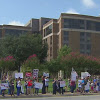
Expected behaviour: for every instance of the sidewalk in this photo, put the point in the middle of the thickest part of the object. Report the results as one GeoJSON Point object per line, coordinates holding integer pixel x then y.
{"type": "Point", "coordinates": [48, 95]}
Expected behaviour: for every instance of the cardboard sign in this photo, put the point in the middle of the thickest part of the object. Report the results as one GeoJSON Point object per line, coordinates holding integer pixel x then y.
{"type": "Point", "coordinates": [4, 86]}
{"type": "Point", "coordinates": [84, 75]}
{"type": "Point", "coordinates": [38, 85]}
{"type": "Point", "coordinates": [62, 84]}
{"type": "Point", "coordinates": [73, 75]}
{"type": "Point", "coordinates": [17, 75]}
{"type": "Point", "coordinates": [35, 73]}
{"type": "Point", "coordinates": [28, 74]}
{"type": "Point", "coordinates": [46, 74]}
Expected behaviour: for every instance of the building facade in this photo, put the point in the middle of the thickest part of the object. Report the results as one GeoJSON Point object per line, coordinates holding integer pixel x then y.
{"type": "Point", "coordinates": [80, 32]}
{"type": "Point", "coordinates": [14, 30]}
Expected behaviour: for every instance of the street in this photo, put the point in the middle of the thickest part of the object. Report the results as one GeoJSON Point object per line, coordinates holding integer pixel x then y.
{"type": "Point", "coordinates": [96, 97]}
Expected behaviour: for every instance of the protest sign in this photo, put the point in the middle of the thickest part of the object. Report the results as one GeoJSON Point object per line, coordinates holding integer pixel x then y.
{"type": "Point", "coordinates": [17, 75]}
{"type": "Point", "coordinates": [38, 85]}
{"type": "Point", "coordinates": [4, 86]}
{"type": "Point", "coordinates": [73, 75]}
{"type": "Point", "coordinates": [84, 75]}
{"type": "Point", "coordinates": [28, 74]}
{"type": "Point", "coordinates": [62, 84]}
{"type": "Point", "coordinates": [45, 74]}
{"type": "Point", "coordinates": [35, 73]}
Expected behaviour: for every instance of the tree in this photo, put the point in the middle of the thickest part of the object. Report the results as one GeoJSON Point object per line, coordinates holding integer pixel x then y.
{"type": "Point", "coordinates": [21, 47]}
{"type": "Point", "coordinates": [53, 67]}
{"type": "Point", "coordinates": [31, 63]}
{"type": "Point", "coordinates": [64, 51]}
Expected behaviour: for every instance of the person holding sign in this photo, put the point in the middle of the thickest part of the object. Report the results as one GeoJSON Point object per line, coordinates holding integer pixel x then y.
{"type": "Point", "coordinates": [3, 90]}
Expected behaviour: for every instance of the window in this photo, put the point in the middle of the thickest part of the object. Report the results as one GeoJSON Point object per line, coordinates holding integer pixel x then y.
{"type": "Point", "coordinates": [48, 30]}
{"type": "Point", "coordinates": [85, 43]}
{"type": "Point", "coordinates": [74, 23]}
{"type": "Point", "coordinates": [65, 38]}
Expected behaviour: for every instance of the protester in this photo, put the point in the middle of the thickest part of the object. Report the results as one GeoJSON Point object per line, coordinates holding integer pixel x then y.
{"type": "Point", "coordinates": [46, 83]}
{"type": "Point", "coordinates": [29, 86]}
{"type": "Point", "coordinates": [36, 87]}
{"type": "Point", "coordinates": [72, 86]}
{"type": "Point", "coordinates": [43, 88]}
{"type": "Point", "coordinates": [61, 91]}
{"type": "Point", "coordinates": [3, 90]}
{"type": "Point", "coordinates": [12, 87]}
{"type": "Point", "coordinates": [25, 84]}
{"type": "Point", "coordinates": [18, 86]}
{"type": "Point", "coordinates": [54, 86]}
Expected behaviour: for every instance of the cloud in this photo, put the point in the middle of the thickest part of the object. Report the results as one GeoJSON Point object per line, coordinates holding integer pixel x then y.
{"type": "Point", "coordinates": [72, 11]}
{"type": "Point", "coordinates": [89, 3]}
{"type": "Point", "coordinates": [16, 23]}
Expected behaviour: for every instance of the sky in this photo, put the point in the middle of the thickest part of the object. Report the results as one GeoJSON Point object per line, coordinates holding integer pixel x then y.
{"type": "Point", "coordinates": [19, 12]}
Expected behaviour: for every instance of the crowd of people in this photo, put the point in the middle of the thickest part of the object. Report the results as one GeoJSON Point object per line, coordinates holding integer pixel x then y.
{"type": "Point", "coordinates": [30, 87]}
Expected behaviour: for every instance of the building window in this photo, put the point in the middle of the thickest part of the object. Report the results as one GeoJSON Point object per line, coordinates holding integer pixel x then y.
{"type": "Point", "coordinates": [85, 43]}
{"type": "Point", "coordinates": [50, 39]}
{"type": "Point", "coordinates": [65, 38]}
{"type": "Point", "coordinates": [74, 23]}
{"type": "Point", "coordinates": [49, 30]}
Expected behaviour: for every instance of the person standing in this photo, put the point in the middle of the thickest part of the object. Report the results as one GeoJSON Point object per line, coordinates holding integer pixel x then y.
{"type": "Point", "coordinates": [18, 86]}
{"type": "Point", "coordinates": [54, 86]}
{"type": "Point", "coordinates": [12, 87]}
{"type": "Point", "coordinates": [72, 86]}
{"type": "Point", "coordinates": [3, 90]}
{"type": "Point", "coordinates": [25, 84]}
{"type": "Point", "coordinates": [46, 83]}
{"type": "Point", "coordinates": [36, 87]}
{"type": "Point", "coordinates": [43, 88]}
{"type": "Point", "coordinates": [29, 86]}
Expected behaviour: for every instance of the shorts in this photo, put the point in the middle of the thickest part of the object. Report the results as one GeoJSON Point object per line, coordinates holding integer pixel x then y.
{"type": "Point", "coordinates": [29, 87]}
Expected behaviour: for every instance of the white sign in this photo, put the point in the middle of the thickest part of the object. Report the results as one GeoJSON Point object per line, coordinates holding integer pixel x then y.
{"type": "Point", "coordinates": [46, 74]}
{"type": "Point", "coordinates": [84, 75]}
{"type": "Point", "coordinates": [4, 86]}
{"type": "Point", "coordinates": [35, 73]}
{"type": "Point", "coordinates": [38, 85]}
{"type": "Point", "coordinates": [62, 84]}
{"type": "Point", "coordinates": [73, 75]}
{"type": "Point", "coordinates": [17, 75]}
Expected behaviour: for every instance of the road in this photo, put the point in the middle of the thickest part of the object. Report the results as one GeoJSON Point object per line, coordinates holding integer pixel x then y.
{"type": "Point", "coordinates": [96, 97]}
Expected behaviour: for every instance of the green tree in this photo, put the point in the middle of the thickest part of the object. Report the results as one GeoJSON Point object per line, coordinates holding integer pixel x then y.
{"type": "Point", "coordinates": [21, 47]}
{"type": "Point", "coordinates": [64, 51]}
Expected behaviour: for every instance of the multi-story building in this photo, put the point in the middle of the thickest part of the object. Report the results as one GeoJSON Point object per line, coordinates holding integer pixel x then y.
{"type": "Point", "coordinates": [14, 30]}
{"type": "Point", "coordinates": [80, 32]}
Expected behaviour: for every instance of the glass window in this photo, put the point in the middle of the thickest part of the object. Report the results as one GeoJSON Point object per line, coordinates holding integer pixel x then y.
{"type": "Point", "coordinates": [74, 23]}
{"type": "Point", "coordinates": [49, 30]}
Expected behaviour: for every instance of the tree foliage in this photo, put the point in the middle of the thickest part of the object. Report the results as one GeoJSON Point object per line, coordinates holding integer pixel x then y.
{"type": "Point", "coordinates": [21, 47]}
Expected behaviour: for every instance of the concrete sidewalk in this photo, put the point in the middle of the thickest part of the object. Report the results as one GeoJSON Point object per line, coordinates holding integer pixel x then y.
{"type": "Point", "coordinates": [48, 95]}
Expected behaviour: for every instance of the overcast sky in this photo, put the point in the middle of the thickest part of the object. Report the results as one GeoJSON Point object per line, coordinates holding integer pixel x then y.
{"type": "Point", "coordinates": [19, 12]}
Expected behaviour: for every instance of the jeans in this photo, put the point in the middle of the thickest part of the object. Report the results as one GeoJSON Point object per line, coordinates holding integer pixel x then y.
{"type": "Point", "coordinates": [18, 91]}
{"type": "Point", "coordinates": [36, 91]}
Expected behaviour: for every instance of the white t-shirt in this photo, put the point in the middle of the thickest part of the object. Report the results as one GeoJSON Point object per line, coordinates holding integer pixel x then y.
{"type": "Point", "coordinates": [47, 82]}
{"type": "Point", "coordinates": [87, 86]}
{"type": "Point", "coordinates": [79, 83]}
{"type": "Point", "coordinates": [19, 83]}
